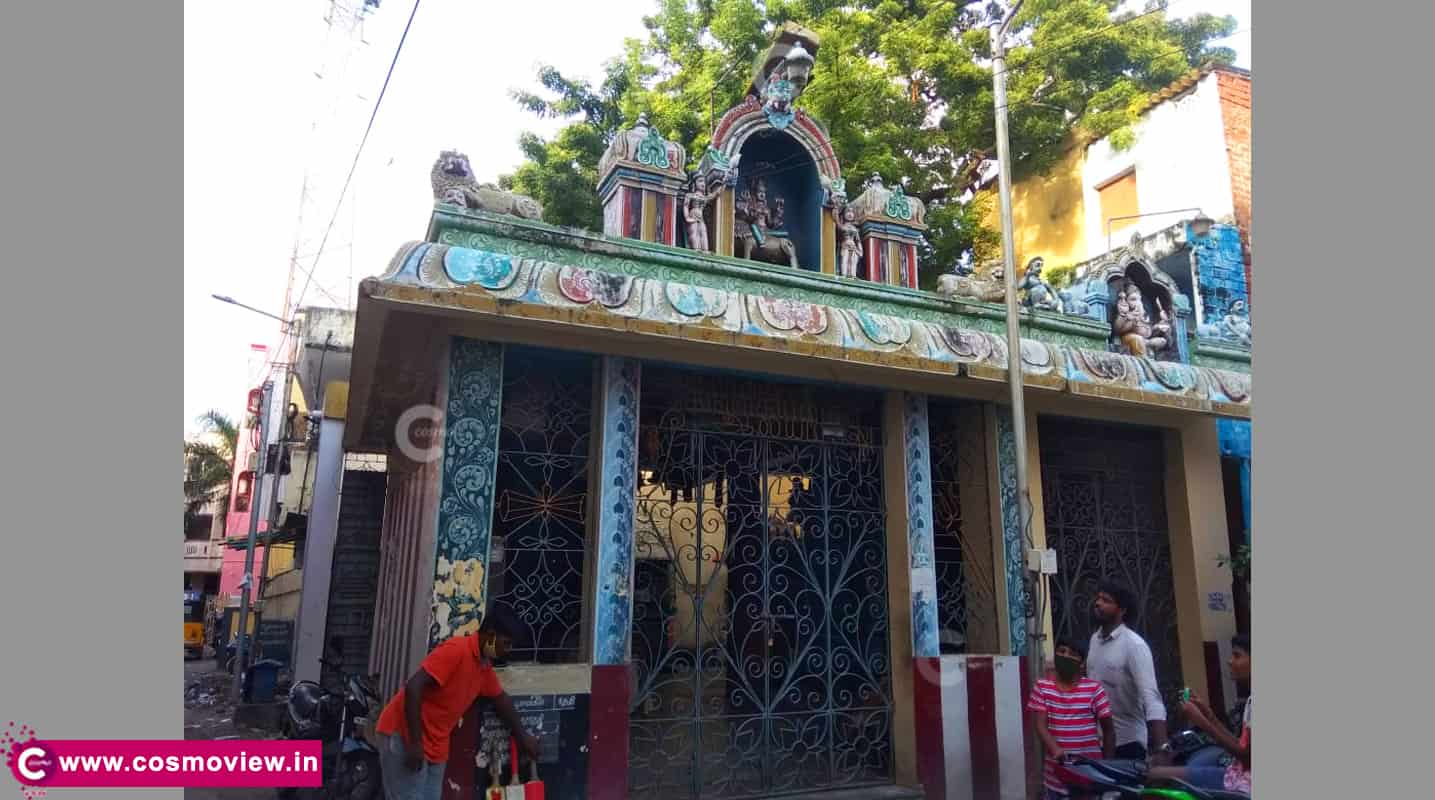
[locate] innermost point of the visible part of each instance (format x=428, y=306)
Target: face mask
x=1067, y=668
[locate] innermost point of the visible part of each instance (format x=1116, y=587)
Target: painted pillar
x=650, y=216
x=1196, y=506
x=465, y=516
x=723, y=245
x=620, y=380
x=1013, y=540
x=912, y=587
x=829, y=243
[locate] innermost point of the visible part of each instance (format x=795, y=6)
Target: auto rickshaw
x=193, y=626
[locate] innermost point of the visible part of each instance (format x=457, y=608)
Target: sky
x=260, y=80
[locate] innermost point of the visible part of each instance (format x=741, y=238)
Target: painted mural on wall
x=465, y=514
x=541, y=289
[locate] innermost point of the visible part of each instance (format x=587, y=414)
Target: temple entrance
x=1104, y=488
x=760, y=630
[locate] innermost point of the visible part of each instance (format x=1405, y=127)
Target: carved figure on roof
x=849, y=236
x=756, y=220
x=695, y=204
x=1039, y=294
x=961, y=282
x=1237, y=323
x=784, y=84
x=1132, y=327
x=1072, y=305
x=454, y=184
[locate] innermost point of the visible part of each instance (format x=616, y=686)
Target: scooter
x=1089, y=779
x=340, y=722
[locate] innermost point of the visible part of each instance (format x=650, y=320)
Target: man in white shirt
x=1121, y=661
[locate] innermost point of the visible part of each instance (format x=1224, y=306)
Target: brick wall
x=1235, y=92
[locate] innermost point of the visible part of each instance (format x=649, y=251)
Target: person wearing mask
x=1121, y=661
x=1071, y=714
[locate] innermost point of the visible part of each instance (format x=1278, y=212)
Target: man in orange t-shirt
x=416, y=725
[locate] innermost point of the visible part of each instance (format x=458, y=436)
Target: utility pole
x=1013, y=338
x=256, y=509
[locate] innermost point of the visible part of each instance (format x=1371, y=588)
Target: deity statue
x=756, y=218
x=849, y=251
x=1237, y=323
x=695, y=204
x=1039, y=294
x=1134, y=329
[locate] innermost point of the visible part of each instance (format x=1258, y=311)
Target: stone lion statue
x=454, y=184
x=962, y=283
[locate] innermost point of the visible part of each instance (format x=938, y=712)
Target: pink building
x=243, y=493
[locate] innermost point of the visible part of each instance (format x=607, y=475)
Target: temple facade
x=748, y=495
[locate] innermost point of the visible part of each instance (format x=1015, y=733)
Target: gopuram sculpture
x=1131, y=326
x=756, y=221
x=849, y=237
x=454, y=183
x=1039, y=294
x=1237, y=323
x=695, y=205
x=965, y=283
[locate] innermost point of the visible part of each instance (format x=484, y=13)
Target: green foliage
x=1059, y=277
x=904, y=87
x=1240, y=563
x=208, y=464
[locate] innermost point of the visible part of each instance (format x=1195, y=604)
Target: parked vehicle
x=342, y=721
x=193, y=625
x=1113, y=779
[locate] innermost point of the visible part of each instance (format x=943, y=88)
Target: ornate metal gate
x=760, y=633
x=1104, y=491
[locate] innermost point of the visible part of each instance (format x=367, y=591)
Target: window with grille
x=540, y=514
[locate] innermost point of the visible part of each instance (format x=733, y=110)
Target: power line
x=338, y=205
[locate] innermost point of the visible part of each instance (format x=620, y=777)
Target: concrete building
x=1191, y=149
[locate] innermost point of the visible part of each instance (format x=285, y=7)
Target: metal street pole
x=256, y=509
x=1013, y=336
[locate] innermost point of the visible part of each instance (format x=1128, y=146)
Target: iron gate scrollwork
x=540, y=511
x=963, y=551
x=1104, y=491
x=760, y=630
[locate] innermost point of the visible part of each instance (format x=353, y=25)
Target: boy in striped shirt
x=1071, y=714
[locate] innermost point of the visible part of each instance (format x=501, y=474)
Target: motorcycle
x=341, y=721
x=1090, y=779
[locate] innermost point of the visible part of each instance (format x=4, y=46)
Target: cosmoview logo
x=35, y=763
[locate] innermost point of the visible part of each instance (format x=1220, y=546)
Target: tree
x=904, y=86
x=209, y=464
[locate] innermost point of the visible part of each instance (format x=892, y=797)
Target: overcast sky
x=252, y=95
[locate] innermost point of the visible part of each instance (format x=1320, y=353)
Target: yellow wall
x=1048, y=214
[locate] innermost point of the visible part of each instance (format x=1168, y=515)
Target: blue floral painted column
x=465, y=513
x=612, y=688
x=1013, y=540
x=618, y=478
x=917, y=465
